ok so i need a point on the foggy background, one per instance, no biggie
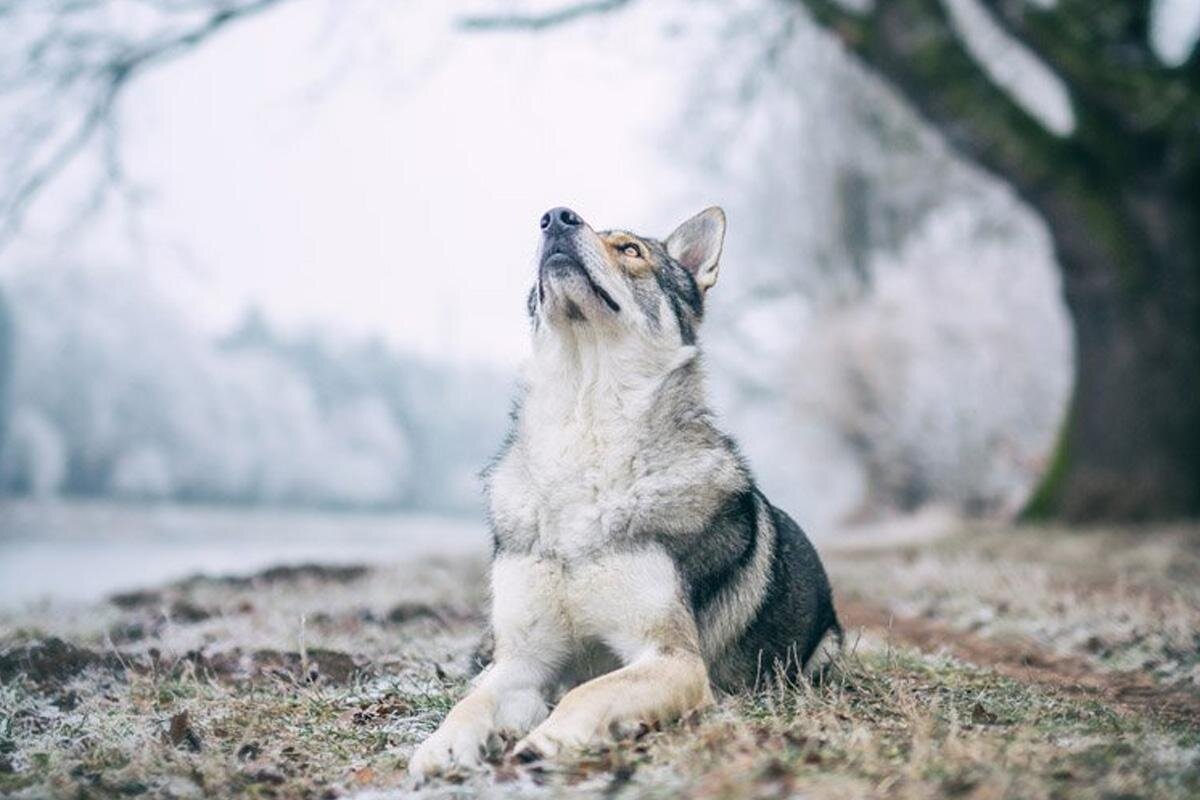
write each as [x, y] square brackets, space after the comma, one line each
[290, 273]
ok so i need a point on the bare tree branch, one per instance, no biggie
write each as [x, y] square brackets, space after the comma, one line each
[65, 64]
[537, 22]
[75, 56]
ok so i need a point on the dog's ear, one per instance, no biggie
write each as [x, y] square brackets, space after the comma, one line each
[696, 245]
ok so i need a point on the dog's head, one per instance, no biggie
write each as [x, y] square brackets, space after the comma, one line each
[619, 283]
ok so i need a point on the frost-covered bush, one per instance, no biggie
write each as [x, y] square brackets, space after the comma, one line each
[142, 473]
[888, 329]
[35, 457]
[120, 395]
[947, 381]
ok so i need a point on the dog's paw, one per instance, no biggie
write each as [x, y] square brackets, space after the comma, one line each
[449, 751]
[549, 740]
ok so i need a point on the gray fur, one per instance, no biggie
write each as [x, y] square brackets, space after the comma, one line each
[754, 584]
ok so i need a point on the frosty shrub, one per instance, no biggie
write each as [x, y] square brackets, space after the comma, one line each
[888, 330]
[35, 458]
[948, 380]
[117, 394]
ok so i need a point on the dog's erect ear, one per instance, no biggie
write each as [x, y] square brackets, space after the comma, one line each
[696, 245]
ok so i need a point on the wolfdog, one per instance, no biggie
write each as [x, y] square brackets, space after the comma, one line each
[636, 566]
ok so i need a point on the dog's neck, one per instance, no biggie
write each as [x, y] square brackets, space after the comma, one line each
[590, 378]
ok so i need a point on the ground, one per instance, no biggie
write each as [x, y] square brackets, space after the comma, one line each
[1024, 663]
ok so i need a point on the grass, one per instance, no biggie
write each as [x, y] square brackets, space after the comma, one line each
[307, 684]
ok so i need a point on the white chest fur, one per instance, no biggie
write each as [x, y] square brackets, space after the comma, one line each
[564, 493]
[622, 599]
[570, 479]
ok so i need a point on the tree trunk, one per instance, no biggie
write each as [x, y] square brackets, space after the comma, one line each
[1130, 446]
[1121, 196]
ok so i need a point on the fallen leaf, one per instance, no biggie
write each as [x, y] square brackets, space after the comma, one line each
[981, 716]
[181, 734]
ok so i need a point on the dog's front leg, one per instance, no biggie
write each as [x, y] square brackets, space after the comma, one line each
[509, 697]
[661, 685]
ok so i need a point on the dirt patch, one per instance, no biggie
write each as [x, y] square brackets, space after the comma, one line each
[180, 610]
[143, 598]
[1131, 692]
[291, 573]
[407, 612]
[313, 666]
[52, 662]
[188, 613]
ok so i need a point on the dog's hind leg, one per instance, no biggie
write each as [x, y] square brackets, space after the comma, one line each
[662, 685]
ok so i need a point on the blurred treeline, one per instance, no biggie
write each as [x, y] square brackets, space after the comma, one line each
[113, 393]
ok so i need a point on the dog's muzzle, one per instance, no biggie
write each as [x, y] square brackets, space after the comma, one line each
[559, 226]
[558, 229]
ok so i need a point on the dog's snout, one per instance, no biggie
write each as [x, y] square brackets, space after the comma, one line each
[559, 220]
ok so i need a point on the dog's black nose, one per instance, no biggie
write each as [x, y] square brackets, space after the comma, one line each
[559, 220]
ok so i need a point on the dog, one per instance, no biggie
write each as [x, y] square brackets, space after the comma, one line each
[636, 566]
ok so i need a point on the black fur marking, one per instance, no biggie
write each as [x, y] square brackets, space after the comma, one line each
[574, 313]
[603, 295]
[687, 330]
[679, 287]
[796, 612]
[731, 537]
[647, 301]
[528, 755]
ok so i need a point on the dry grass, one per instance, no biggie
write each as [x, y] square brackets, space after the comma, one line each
[1127, 600]
[318, 684]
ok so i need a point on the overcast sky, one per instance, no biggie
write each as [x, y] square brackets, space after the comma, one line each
[376, 172]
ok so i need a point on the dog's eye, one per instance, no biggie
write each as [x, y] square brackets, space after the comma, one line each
[632, 250]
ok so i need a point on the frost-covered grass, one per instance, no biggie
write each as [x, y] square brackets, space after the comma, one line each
[318, 682]
[1125, 599]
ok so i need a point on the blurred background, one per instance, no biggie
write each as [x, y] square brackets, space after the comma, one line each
[263, 262]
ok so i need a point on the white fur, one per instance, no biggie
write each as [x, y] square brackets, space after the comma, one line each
[576, 479]
[571, 484]
[618, 598]
[543, 610]
[572, 476]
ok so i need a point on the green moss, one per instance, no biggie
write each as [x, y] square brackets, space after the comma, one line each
[1044, 503]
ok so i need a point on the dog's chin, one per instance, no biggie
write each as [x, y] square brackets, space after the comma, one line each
[560, 264]
[570, 299]
[570, 284]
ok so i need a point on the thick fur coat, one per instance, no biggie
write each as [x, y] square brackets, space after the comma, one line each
[636, 565]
